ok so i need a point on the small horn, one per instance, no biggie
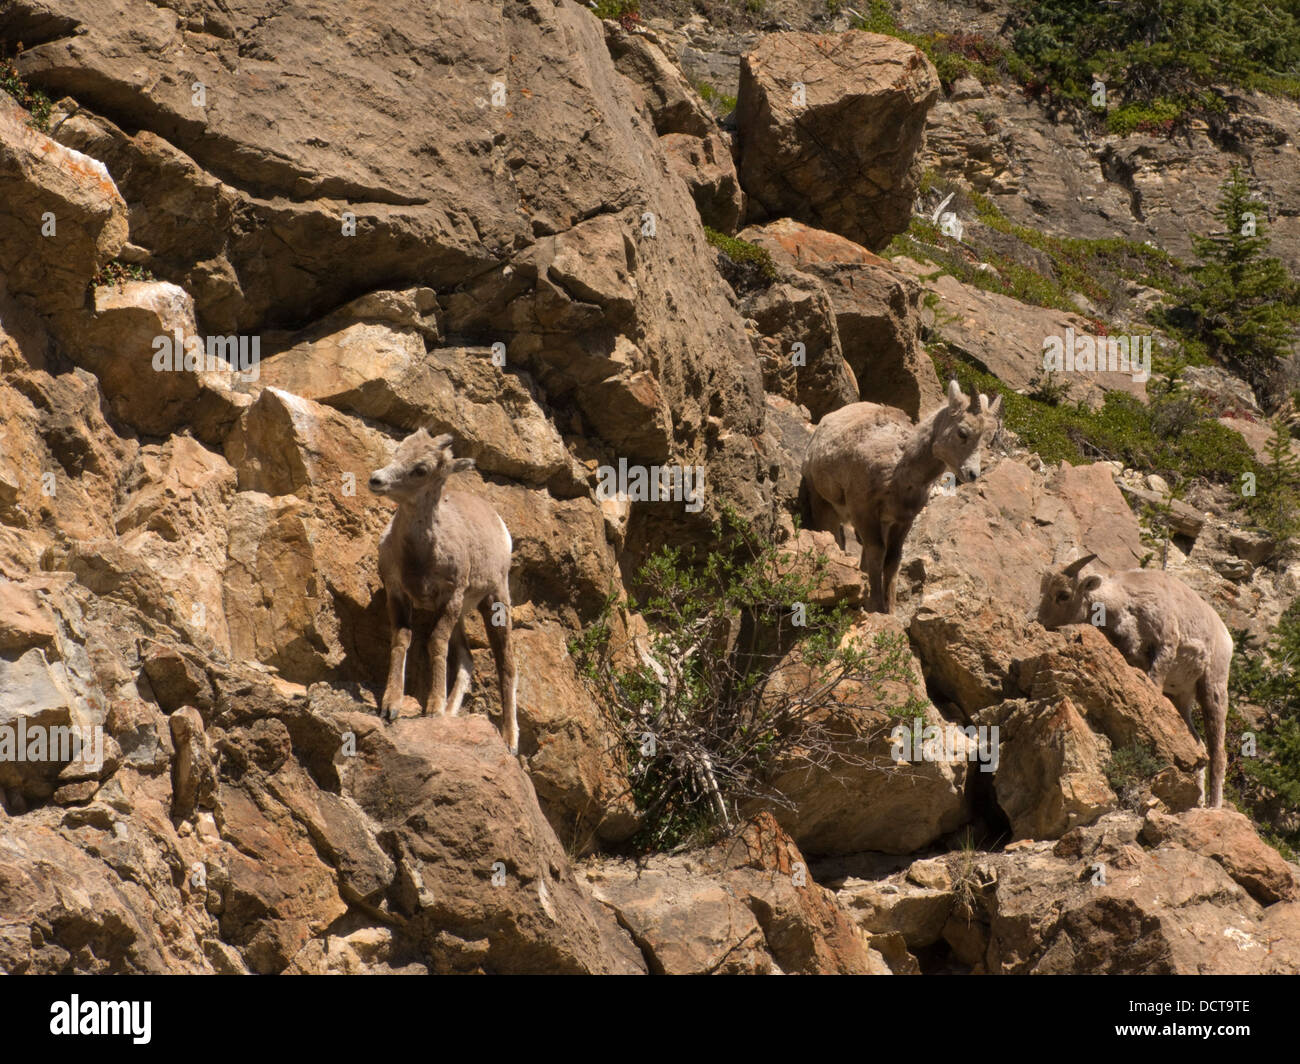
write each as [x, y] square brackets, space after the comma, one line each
[445, 440]
[984, 403]
[1075, 567]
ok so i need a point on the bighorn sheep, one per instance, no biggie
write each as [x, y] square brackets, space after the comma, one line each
[869, 465]
[448, 552]
[1162, 627]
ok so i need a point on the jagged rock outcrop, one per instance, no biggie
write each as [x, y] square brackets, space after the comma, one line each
[876, 308]
[746, 906]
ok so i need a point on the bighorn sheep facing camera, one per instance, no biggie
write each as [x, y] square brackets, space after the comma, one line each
[869, 465]
[1162, 627]
[448, 552]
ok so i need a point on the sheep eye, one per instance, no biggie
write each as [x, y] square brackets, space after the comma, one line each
[964, 433]
[421, 470]
[1062, 596]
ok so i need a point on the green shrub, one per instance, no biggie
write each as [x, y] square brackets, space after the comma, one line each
[719, 102]
[1158, 50]
[119, 273]
[1241, 302]
[743, 253]
[38, 105]
[710, 701]
[618, 9]
[1275, 506]
[1130, 770]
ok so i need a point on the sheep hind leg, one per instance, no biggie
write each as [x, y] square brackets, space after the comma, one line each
[894, 537]
[498, 625]
[1185, 702]
[464, 669]
[872, 563]
[825, 517]
[1213, 698]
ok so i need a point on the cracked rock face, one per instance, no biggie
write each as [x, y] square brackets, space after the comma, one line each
[242, 199]
[491, 223]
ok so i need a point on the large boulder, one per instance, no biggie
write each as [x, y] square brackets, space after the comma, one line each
[831, 128]
[995, 538]
[798, 343]
[1051, 769]
[156, 389]
[1229, 838]
[484, 885]
[705, 164]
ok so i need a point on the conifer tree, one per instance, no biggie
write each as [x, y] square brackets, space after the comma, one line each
[1244, 301]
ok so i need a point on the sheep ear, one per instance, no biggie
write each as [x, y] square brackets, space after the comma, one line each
[1073, 569]
[955, 399]
[462, 465]
[1090, 584]
[443, 441]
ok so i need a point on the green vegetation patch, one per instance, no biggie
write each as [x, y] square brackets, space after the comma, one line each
[741, 674]
[37, 104]
[1173, 435]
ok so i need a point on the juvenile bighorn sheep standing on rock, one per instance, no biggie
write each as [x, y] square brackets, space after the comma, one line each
[1162, 627]
[448, 552]
[869, 465]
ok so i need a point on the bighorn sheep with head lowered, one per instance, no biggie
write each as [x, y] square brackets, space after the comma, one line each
[869, 465]
[448, 552]
[1162, 627]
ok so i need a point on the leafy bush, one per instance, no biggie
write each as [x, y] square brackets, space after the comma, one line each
[953, 55]
[1275, 506]
[618, 9]
[33, 100]
[712, 697]
[743, 254]
[1129, 770]
[117, 272]
[720, 103]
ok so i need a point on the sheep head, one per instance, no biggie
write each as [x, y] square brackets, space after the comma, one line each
[420, 463]
[1064, 593]
[962, 429]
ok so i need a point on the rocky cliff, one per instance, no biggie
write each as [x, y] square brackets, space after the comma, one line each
[541, 232]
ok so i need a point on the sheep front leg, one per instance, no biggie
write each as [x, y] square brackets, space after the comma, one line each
[439, 645]
[399, 622]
